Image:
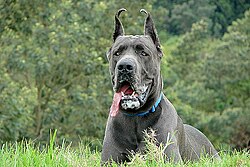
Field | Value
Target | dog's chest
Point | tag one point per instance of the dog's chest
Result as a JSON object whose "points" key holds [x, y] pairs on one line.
{"points": [[128, 132]]}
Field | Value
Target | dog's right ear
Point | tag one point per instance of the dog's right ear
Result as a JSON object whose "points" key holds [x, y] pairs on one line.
{"points": [[118, 25]]}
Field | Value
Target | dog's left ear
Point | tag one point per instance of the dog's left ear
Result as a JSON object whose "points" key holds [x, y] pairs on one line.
{"points": [[118, 31], [150, 30]]}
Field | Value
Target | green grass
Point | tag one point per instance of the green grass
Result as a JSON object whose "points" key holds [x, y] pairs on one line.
{"points": [[27, 154]]}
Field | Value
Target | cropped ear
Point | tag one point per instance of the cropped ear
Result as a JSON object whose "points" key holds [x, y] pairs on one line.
{"points": [[150, 30], [118, 25]]}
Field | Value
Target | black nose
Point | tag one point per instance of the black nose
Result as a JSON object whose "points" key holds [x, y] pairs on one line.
{"points": [[125, 66]]}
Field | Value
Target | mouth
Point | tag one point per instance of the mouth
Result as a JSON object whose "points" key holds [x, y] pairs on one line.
{"points": [[129, 97], [132, 97]]}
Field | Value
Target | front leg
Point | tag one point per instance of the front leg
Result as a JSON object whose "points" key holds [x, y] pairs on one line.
{"points": [[111, 153], [171, 148], [170, 145]]}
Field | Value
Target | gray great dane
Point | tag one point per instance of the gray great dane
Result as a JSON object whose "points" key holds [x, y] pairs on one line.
{"points": [[139, 104]]}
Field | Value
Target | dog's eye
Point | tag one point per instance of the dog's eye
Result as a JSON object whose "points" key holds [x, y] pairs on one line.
{"points": [[143, 53], [117, 53]]}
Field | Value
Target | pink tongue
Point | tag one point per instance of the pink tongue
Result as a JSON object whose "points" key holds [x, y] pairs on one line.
{"points": [[115, 105], [117, 98]]}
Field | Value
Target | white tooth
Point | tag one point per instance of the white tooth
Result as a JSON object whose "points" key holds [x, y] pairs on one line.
{"points": [[133, 94], [123, 94]]}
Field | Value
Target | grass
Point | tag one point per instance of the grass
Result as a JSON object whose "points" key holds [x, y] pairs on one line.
{"points": [[27, 154]]}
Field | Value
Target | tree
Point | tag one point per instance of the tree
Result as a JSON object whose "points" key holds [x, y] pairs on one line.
{"points": [[211, 77], [218, 13], [225, 13], [185, 14], [229, 75], [54, 67], [49, 51]]}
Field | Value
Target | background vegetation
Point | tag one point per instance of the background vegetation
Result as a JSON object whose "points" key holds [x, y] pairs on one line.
{"points": [[54, 72], [27, 154]]}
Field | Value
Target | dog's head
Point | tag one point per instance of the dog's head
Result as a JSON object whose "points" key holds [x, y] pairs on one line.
{"points": [[135, 67]]}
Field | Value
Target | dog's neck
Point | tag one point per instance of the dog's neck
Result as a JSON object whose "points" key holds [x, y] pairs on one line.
{"points": [[149, 111]]}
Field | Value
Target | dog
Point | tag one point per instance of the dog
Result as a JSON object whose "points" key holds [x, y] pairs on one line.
{"points": [[139, 104]]}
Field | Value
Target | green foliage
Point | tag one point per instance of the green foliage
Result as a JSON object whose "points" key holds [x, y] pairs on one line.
{"points": [[183, 16], [218, 13], [28, 154], [229, 71], [54, 72], [52, 58], [185, 80], [211, 76], [226, 12]]}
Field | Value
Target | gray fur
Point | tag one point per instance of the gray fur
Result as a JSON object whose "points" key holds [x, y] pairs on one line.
{"points": [[124, 133]]}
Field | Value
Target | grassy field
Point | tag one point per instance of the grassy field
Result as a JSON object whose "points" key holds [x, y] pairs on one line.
{"points": [[26, 154]]}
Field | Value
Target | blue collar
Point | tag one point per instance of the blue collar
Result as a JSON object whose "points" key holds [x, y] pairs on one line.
{"points": [[149, 111]]}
